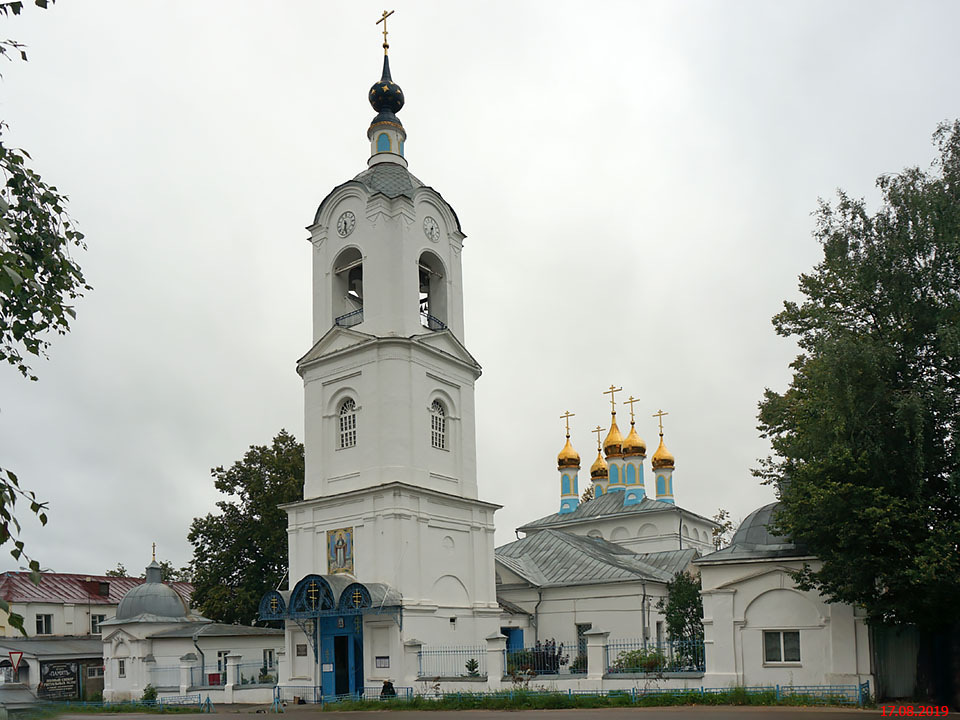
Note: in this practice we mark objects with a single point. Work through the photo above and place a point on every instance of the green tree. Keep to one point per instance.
(118, 571)
(682, 608)
(241, 553)
(38, 282)
(866, 460)
(587, 494)
(723, 529)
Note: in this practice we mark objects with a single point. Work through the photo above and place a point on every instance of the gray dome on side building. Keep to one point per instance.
(753, 540)
(153, 601)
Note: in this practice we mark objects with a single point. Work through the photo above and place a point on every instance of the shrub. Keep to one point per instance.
(640, 660)
(149, 694)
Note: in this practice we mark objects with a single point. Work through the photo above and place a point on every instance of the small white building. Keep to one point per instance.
(761, 630)
(156, 639)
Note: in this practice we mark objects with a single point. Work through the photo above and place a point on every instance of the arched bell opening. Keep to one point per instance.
(347, 301)
(433, 292)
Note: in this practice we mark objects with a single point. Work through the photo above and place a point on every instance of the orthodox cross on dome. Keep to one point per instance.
(383, 19)
(610, 392)
(630, 401)
(659, 416)
(154, 552)
(566, 417)
(598, 430)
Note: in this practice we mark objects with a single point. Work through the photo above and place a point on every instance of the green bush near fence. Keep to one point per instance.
(535, 700)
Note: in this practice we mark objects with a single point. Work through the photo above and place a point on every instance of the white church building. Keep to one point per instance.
(392, 566)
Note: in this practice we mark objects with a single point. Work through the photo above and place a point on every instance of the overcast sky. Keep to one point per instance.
(635, 180)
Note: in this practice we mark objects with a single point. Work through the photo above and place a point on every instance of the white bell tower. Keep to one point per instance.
(390, 493)
(389, 383)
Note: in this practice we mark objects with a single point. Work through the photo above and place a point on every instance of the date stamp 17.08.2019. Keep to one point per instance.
(914, 711)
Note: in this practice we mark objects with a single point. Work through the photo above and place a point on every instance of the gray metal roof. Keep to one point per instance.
(553, 557)
(754, 541)
(216, 630)
(390, 179)
(54, 647)
(607, 505)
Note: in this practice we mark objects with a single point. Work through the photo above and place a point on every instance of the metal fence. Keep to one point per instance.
(257, 674)
(453, 662)
(204, 678)
(643, 656)
(297, 694)
(545, 658)
(816, 694)
(165, 676)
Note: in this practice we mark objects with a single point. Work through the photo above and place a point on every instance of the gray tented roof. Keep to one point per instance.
(389, 179)
(606, 505)
(555, 558)
(754, 541)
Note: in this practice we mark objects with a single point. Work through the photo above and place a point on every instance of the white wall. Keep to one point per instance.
(741, 600)
(652, 531)
(68, 618)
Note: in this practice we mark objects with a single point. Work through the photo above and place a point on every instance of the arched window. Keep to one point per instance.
(348, 423)
(383, 143)
(438, 426)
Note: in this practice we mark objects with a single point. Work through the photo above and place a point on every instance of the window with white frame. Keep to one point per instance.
(44, 624)
(348, 424)
(95, 621)
(781, 646)
(94, 671)
(121, 668)
(438, 425)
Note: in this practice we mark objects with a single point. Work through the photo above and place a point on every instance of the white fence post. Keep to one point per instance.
(186, 663)
(496, 660)
(596, 649)
(411, 662)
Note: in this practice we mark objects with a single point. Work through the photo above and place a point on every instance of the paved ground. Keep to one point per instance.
(669, 713)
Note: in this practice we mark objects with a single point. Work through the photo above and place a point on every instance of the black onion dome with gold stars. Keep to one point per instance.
(386, 97)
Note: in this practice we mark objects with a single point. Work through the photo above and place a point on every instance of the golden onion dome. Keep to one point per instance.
(633, 444)
(612, 445)
(568, 457)
(599, 471)
(662, 459)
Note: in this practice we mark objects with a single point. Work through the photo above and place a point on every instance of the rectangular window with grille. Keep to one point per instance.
(781, 646)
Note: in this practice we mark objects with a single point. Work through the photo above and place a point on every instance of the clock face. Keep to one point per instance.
(431, 229)
(345, 223)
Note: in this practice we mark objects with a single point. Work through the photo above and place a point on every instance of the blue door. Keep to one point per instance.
(341, 643)
(514, 638)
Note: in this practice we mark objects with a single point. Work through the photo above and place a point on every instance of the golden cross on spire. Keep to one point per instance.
(383, 19)
(598, 430)
(659, 415)
(630, 401)
(566, 416)
(610, 392)
(154, 552)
